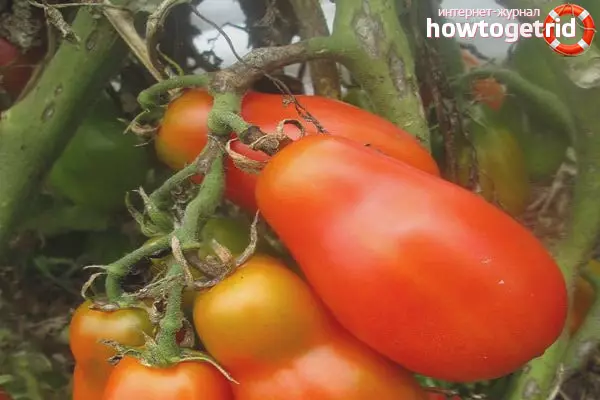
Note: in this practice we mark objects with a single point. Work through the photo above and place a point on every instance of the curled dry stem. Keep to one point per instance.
(268, 143)
(251, 248)
(227, 264)
(195, 355)
(242, 162)
(154, 26)
(122, 21)
(121, 351)
(88, 283)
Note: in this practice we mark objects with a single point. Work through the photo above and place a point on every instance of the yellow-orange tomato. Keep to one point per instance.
(269, 330)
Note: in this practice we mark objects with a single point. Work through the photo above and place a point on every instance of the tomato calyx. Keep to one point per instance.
(268, 143)
(148, 356)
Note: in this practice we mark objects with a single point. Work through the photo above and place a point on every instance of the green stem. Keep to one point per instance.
(120, 268)
(200, 209)
(161, 197)
(150, 97)
(225, 114)
(167, 347)
(197, 213)
(587, 339)
(369, 41)
(36, 130)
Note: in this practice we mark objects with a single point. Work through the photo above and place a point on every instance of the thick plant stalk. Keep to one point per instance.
(370, 42)
(36, 130)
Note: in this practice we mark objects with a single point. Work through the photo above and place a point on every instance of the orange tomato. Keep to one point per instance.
(125, 326)
(187, 380)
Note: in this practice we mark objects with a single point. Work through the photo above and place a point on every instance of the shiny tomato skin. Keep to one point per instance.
(398, 255)
(183, 134)
(126, 326)
(188, 380)
(85, 387)
(270, 331)
(183, 130)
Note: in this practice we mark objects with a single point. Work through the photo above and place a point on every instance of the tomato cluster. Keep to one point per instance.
(403, 272)
(183, 134)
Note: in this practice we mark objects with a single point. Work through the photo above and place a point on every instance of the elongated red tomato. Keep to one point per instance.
(183, 133)
(427, 273)
(269, 330)
(188, 380)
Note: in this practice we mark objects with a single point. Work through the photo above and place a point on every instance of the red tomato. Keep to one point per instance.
(16, 68)
(4, 396)
(126, 326)
(440, 396)
(188, 380)
(422, 270)
(269, 330)
(183, 133)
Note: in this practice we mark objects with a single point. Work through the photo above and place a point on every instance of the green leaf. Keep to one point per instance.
(100, 164)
